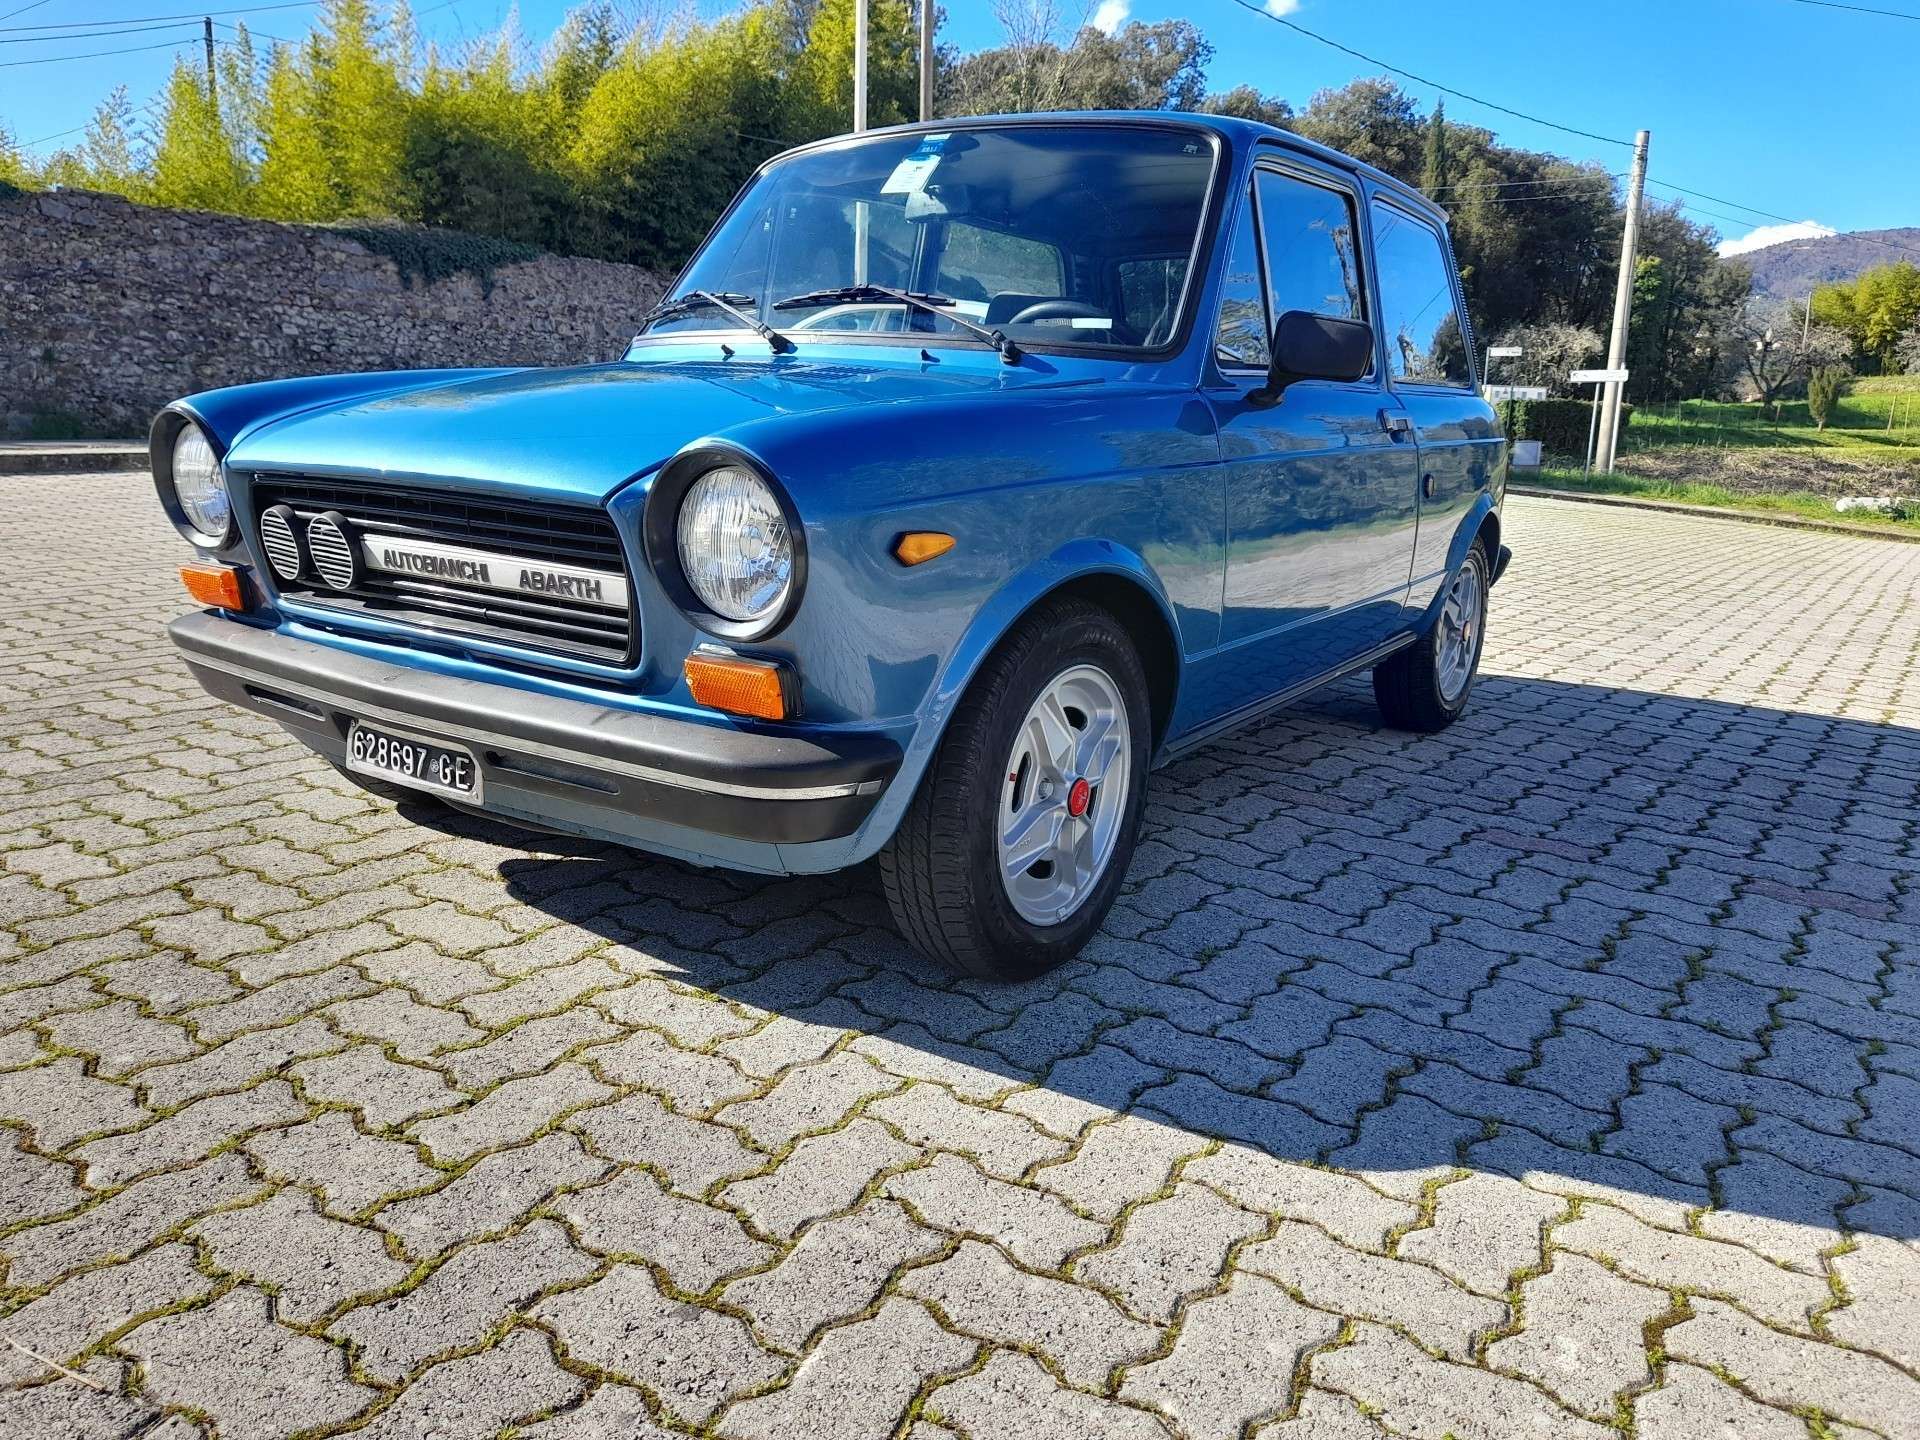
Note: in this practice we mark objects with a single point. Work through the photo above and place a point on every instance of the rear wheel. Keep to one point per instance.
(1020, 835)
(1425, 686)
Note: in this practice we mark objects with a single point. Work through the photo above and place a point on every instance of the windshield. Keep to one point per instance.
(1052, 234)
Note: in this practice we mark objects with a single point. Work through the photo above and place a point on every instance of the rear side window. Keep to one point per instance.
(1425, 342)
(1311, 254)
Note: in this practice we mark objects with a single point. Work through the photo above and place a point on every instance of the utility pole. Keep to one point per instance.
(206, 30)
(926, 59)
(1622, 306)
(859, 66)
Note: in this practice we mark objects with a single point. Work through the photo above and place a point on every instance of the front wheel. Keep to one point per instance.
(1424, 687)
(1020, 835)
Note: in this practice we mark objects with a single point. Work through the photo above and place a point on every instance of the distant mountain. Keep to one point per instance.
(1794, 267)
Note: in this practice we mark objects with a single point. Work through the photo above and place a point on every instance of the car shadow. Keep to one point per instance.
(1640, 946)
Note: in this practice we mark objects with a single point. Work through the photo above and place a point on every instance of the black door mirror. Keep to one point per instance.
(1315, 347)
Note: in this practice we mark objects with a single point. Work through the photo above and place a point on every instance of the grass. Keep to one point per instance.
(1876, 417)
(1798, 503)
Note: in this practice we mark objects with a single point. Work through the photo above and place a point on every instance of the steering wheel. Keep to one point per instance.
(1058, 310)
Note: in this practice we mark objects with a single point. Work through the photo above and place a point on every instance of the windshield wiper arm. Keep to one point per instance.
(727, 303)
(932, 304)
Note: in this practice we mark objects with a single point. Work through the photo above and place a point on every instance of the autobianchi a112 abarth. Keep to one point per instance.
(967, 473)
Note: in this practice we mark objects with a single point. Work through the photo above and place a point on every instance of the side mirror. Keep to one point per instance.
(1315, 347)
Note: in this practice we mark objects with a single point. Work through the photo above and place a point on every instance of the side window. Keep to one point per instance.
(1244, 333)
(1425, 342)
(979, 263)
(1310, 233)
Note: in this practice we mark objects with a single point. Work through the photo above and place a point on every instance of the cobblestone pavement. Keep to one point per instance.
(1556, 1075)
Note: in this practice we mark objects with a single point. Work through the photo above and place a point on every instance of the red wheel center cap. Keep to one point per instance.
(1078, 798)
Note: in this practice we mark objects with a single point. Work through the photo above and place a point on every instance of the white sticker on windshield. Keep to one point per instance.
(1092, 322)
(911, 174)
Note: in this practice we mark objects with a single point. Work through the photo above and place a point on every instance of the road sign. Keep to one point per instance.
(1504, 352)
(1516, 392)
(1598, 377)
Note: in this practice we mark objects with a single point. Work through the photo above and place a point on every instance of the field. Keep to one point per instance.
(1805, 504)
(1877, 417)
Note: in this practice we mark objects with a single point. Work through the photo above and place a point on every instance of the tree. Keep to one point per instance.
(1436, 169)
(1823, 390)
(1550, 351)
(1873, 310)
(1139, 67)
(197, 164)
(1249, 104)
(1774, 350)
(1907, 352)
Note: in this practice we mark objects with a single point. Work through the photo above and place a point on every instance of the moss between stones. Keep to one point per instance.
(434, 255)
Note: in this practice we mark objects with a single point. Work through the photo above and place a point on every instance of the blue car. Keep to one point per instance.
(967, 473)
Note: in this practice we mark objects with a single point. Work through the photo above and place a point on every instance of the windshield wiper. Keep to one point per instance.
(727, 303)
(931, 304)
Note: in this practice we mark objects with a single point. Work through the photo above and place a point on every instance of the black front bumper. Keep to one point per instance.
(567, 763)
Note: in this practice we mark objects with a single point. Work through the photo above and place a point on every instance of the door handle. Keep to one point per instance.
(1426, 486)
(1395, 424)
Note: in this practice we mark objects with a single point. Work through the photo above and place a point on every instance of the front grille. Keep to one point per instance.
(538, 533)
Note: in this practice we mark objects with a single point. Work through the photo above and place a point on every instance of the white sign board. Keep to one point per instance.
(1598, 377)
(1516, 392)
(1504, 352)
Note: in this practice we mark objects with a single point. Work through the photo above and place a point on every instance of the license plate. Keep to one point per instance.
(406, 760)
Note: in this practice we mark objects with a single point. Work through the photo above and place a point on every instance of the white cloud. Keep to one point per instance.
(1774, 234)
(1282, 7)
(1111, 15)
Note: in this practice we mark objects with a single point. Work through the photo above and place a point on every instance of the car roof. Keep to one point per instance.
(1237, 131)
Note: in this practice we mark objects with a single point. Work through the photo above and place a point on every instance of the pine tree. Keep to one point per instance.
(197, 166)
(1437, 172)
(296, 181)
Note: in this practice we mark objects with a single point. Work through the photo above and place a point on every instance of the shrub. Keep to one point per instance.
(1559, 425)
(1823, 390)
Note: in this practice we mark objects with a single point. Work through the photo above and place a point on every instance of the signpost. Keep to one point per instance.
(1506, 352)
(1595, 378)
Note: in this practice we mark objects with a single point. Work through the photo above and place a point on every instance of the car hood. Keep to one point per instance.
(576, 433)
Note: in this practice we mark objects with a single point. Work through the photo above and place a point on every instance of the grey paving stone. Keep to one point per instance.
(694, 1083)
(952, 1194)
(120, 1038)
(33, 1186)
(1777, 1210)
(1583, 1338)
(1882, 1314)
(385, 1092)
(188, 1134)
(983, 1293)
(1347, 1207)
(473, 1397)
(86, 1308)
(1003, 1143)
(1690, 1403)
(821, 1175)
(415, 1031)
(512, 1112)
(693, 1359)
(632, 1215)
(1012, 1395)
(349, 1169)
(1661, 1257)
(1170, 1249)
(692, 1154)
(914, 1053)
(1431, 1307)
(529, 1048)
(857, 1380)
(59, 1102)
(237, 1063)
(1083, 1089)
(1484, 1228)
(1414, 1394)
(1234, 1360)
(1125, 1160)
(498, 1190)
(1788, 1372)
(836, 1269)
(473, 1291)
(309, 1262)
(230, 1361)
(809, 1098)
(611, 1412)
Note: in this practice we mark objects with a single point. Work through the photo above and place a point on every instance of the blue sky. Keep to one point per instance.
(1798, 109)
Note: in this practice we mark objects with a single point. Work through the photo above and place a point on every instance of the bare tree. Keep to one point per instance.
(1549, 351)
(1774, 349)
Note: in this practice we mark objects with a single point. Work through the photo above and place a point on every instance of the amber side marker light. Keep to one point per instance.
(740, 687)
(211, 584)
(917, 547)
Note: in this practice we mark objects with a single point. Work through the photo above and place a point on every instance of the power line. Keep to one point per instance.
(1860, 9)
(88, 35)
(143, 19)
(1431, 84)
(62, 134)
(93, 54)
(23, 9)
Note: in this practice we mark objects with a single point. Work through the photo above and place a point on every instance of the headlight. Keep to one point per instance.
(735, 548)
(200, 488)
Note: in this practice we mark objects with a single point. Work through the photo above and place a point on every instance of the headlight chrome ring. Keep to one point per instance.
(726, 544)
(190, 479)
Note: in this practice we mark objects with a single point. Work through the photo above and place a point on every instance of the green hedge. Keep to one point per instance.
(1559, 425)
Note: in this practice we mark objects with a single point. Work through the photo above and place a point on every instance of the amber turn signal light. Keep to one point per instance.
(740, 687)
(918, 546)
(211, 584)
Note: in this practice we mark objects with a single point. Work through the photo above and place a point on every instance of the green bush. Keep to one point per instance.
(1559, 425)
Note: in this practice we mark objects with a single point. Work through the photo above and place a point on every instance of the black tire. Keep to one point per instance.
(941, 869)
(1406, 684)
